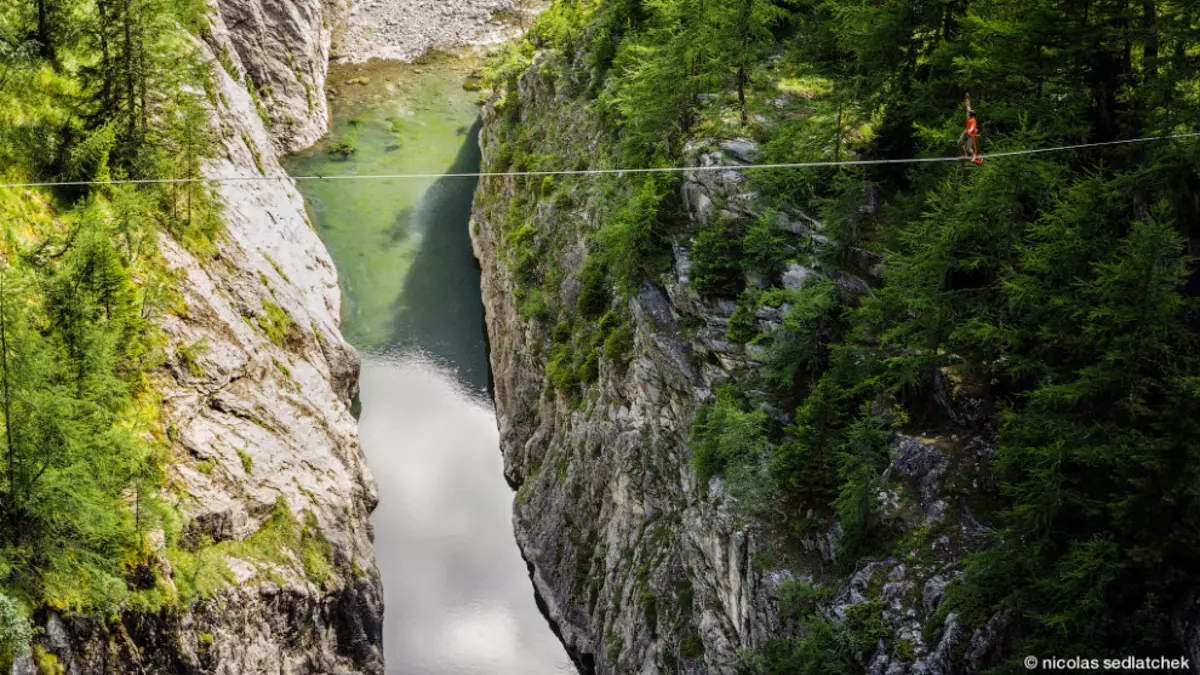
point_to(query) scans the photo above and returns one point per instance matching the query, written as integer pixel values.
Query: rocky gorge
(908, 420)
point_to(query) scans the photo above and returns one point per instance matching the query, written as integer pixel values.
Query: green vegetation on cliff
(90, 90)
(1060, 288)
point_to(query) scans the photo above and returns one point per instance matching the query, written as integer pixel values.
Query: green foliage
(71, 365)
(256, 97)
(255, 155)
(728, 438)
(524, 257)
(717, 259)
(691, 647)
(743, 326)
(316, 553)
(613, 647)
(247, 461)
(343, 148)
(675, 51)
(649, 602)
(1056, 279)
(189, 356)
(608, 323)
(507, 64)
(764, 249)
(15, 630)
(798, 352)
(590, 370)
(799, 599)
(561, 369)
(561, 332)
(275, 322)
(47, 663)
(532, 304)
(866, 626)
(745, 27)
(822, 649)
(593, 293)
(618, 346)
(861, 459)
(109, 90)
(632, 245)
(282, 541)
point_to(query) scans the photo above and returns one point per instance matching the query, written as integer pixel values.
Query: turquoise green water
(383, 235)
(458, 599)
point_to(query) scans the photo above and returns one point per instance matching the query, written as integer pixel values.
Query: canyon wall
(642, 569)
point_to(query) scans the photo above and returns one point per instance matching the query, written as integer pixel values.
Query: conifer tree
(744, 28)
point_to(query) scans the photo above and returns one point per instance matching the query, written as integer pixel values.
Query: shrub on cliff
(618, 346)
(717, 260)
(593, 293)
(15, 631)
(726, 437)
(632, 242)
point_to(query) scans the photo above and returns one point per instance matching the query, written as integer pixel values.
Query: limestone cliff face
(280, 50)
(642, 570)
(257, 398)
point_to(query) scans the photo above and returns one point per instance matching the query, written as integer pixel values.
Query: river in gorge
(458, 596)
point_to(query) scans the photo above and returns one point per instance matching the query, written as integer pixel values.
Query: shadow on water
(401, 228)
(439, 311)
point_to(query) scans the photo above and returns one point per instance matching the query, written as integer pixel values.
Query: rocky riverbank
(402, 30)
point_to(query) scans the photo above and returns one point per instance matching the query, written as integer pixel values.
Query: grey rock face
(630, 560)
(795, 276)
(743, 150)
(280, 49)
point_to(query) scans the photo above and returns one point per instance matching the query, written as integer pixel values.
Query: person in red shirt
(970, 135)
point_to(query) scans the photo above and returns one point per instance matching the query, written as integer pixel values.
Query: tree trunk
(742, 73)
(104, 17)
(44, 33)
(8, 430)
(1150, 47)
(130, 83)
(837, 141)
(741, 87)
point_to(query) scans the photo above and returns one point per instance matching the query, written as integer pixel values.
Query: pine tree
(745, 29)
(144, 67)
(7, 390)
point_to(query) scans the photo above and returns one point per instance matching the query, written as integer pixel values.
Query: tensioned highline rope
(596, 172)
